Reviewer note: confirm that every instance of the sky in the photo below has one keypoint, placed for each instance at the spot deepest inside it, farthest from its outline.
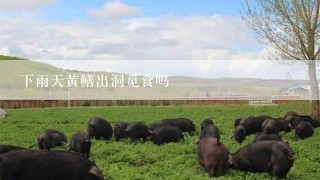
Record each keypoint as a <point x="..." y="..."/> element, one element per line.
<point x="163" y="36"/>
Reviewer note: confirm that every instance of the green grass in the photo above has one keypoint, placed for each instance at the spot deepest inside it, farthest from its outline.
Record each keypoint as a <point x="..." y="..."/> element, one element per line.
<point x="124" y="160"/>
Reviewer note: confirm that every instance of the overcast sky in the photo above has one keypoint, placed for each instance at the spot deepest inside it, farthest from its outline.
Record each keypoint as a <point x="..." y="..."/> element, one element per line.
<point x="126" y="30"/>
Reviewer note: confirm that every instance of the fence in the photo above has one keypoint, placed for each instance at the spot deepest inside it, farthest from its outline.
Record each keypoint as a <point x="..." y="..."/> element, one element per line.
<point x="228" y="100"/>
<point x="16" y="104"/>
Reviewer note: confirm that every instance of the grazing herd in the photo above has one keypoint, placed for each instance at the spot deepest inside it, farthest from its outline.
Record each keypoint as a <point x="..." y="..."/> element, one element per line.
<point x="268" y="153"/>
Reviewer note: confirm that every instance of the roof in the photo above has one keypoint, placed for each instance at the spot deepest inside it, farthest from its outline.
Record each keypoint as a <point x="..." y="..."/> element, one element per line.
<point x="305" y="87"/>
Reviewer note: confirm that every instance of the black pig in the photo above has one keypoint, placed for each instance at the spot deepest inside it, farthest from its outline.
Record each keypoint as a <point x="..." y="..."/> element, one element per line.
<point x="166" y="134"/>
<point x="210" y="131"/>
<point x="205" y="123"/>
<point x="8" y="148"/>
<point x="253" y="124"/>
<point x="239" y="133"/>
<point x="295" y="120"/>
<point x="138" y="131"/>
<point x="274" y="157"/>
<point x="266" y="137"/>
<point x="34" y="164"/>
<point x="51" y="138"/>
<point x="212" y="156"/>
<point x="274" y="126"/>
<point x="119" y="130"/>
<point x="81" y="143"/>
<point x="237" y="122"/>
<point x="303" y="130"/>
<point x="99" y="128"/>
<point x="184" y="124"/>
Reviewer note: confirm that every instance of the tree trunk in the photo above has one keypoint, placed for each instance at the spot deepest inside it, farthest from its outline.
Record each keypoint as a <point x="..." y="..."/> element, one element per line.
<point x="315" y="111"/>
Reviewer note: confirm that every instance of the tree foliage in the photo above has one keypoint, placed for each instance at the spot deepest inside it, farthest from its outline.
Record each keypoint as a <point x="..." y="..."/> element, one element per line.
<point x="291" y="27"/>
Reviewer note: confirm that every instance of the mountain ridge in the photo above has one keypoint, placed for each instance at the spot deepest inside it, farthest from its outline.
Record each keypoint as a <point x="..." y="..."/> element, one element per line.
<point x="179" y="86"/>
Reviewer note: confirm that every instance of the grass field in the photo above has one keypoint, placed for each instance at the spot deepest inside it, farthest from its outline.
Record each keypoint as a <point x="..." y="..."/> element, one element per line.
<point x="124" y="160"/>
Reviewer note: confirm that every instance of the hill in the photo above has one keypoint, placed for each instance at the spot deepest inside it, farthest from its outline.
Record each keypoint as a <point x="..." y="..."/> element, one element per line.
<point x="13" y="84"/>
<point x="2" y="57"/>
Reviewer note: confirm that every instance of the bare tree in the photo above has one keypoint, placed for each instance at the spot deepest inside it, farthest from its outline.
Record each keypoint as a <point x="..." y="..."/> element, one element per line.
<point x="292" y="28"/>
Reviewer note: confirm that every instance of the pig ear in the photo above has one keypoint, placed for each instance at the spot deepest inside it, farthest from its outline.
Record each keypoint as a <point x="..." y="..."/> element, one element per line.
<point x="95" y="171"/>
<point x="216" y="141"/>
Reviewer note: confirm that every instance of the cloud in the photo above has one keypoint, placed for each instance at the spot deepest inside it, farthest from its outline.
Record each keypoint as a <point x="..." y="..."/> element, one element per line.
<point x="211" y="54"/>
<point x="4" y="50"/>
<point x="161" y="38"/>
<point x="205" y="46"/>
<point x="24" y="5"/>
<point x="113" y="10"/>
<point x="247" y="66"/>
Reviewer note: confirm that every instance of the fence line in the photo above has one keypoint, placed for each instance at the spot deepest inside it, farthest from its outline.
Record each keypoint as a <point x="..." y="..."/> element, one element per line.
<point x="27" y="103"/>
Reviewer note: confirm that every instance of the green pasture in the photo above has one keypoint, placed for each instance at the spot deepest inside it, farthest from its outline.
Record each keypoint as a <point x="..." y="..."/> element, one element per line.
<point x="126" y="160"/>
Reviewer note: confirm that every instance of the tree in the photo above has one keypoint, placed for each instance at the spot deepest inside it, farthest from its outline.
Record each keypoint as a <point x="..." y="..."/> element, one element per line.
<point x="292" y="28"/>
